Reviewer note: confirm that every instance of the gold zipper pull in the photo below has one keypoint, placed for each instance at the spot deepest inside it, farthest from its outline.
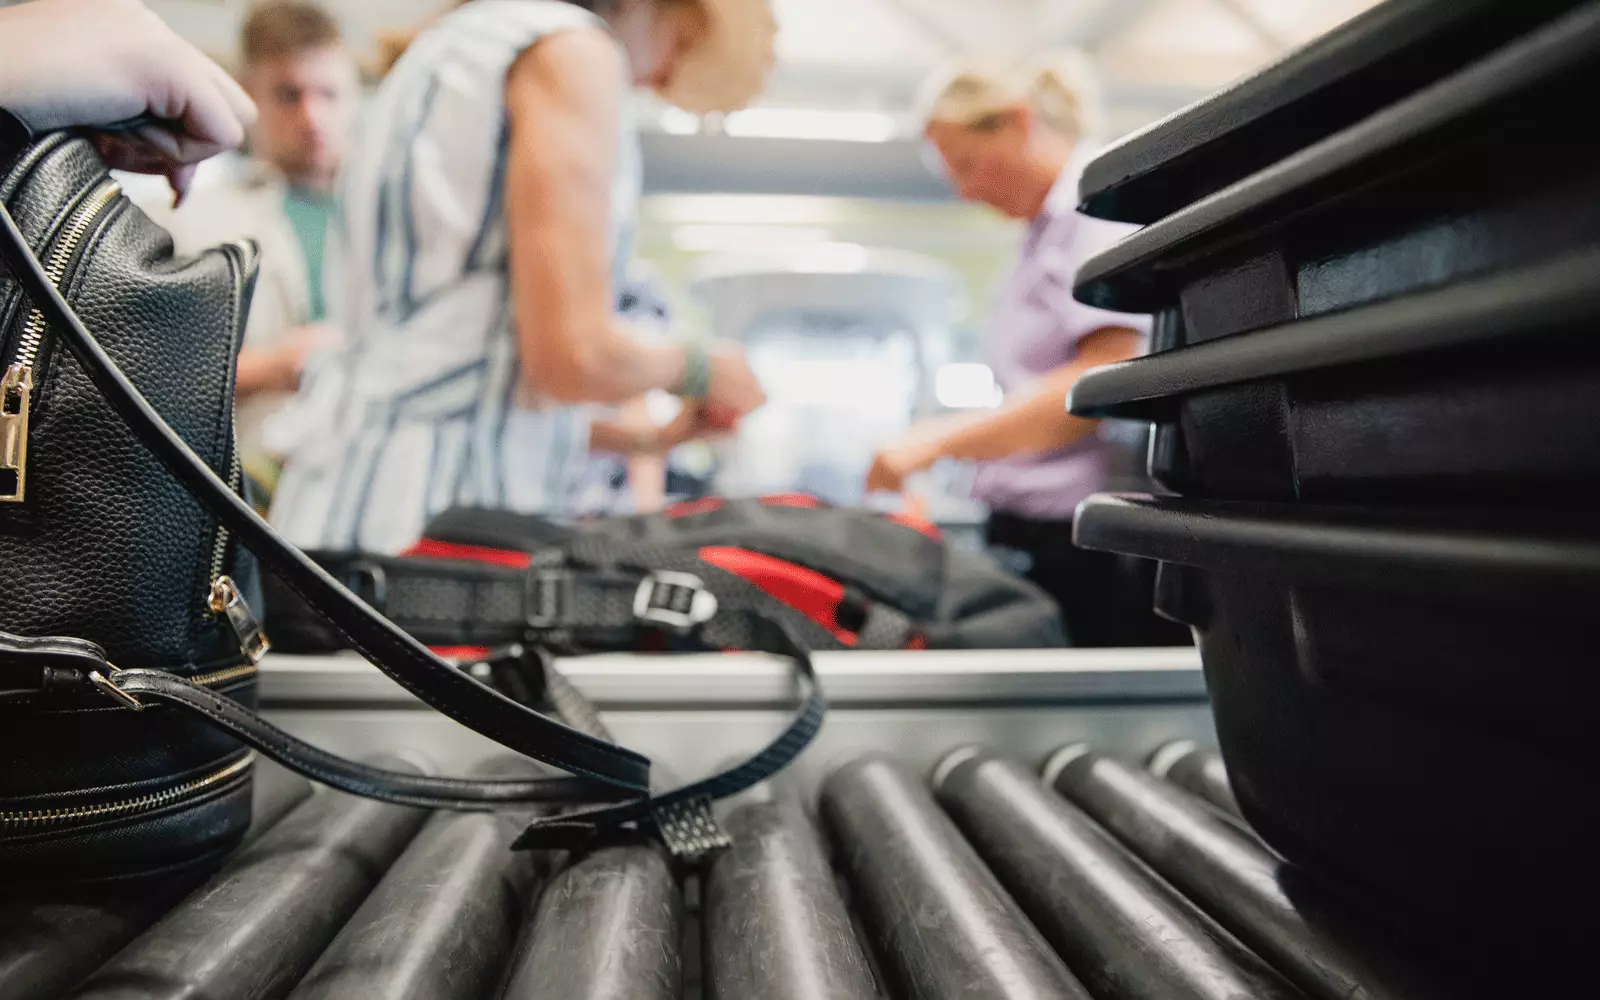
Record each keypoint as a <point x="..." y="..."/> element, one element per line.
<point x="16" y="394"/>
<point x="226" y="600"/>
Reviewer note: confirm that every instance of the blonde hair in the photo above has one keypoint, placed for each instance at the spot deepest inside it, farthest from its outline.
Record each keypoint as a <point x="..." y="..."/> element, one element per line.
<point x="976" y="91"/>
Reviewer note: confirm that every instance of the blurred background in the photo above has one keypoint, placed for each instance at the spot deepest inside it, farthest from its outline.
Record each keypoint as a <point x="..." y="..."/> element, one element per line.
<point x="812" y="228"/>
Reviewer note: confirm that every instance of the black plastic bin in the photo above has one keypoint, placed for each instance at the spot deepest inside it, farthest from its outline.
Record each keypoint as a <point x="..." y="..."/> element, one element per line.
<point x="1401" y="313"/>
<point x="1483" y="170"/>
<point x="1484" y="390"/>
<point x="1406" y="702"/>
<point x="1367" y="63"/>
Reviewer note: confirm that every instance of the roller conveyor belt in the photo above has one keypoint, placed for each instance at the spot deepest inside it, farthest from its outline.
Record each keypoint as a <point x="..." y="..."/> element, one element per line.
<point x="870" y="874"/>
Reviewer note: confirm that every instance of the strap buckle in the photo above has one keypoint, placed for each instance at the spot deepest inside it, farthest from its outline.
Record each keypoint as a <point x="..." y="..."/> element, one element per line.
<point x="546" y="598"/>
<point x="677" y="600"/>
<point x="109" y="688"/>
<point x="362" y="572"/>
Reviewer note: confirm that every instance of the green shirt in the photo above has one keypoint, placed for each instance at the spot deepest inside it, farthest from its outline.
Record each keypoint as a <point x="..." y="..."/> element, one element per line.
<point x="310" y="213"/>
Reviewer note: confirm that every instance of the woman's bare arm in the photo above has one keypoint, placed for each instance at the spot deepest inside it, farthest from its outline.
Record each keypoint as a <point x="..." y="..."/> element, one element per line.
<point x="1035" y="421"/>
<point x="564" y="96"/>
<point x="1038" y="421"/>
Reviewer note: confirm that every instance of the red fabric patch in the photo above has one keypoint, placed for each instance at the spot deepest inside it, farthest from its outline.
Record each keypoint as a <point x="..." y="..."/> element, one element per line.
<point x="469" y="654"/>
<point x="809" y="592"/>
<point x="916" y="523"/>
<point x="689" y="508"/>
<point x="804" y="500"/>
<point x="431" y="549"/>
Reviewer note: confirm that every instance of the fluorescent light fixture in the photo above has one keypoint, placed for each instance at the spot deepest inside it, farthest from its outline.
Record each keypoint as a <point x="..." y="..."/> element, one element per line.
<point x="810" y="123"/>
<point x="748" y="210"/>
<point x="829" y="258"/>
<point x="966" y="387"/>
<point x="859" y="384"/>
<point x="715" y="238"/>
<point x="676" y="121"/>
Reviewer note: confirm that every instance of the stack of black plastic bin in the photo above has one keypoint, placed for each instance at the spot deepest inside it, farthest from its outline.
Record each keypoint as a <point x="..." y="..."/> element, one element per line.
<point x="1375" y="272"/>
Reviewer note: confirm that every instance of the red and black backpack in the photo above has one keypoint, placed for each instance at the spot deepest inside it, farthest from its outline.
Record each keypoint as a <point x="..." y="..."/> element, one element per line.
<point x="481" y="579"/>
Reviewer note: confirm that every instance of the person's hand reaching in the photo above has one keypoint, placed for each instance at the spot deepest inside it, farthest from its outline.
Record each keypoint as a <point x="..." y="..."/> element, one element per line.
<point x="278" y="369"/>
<point x="734" y="390"/>
<point x="892" y="466"/>
<point x="916" y="450"/>
<point x="693" y="423"/>
<point x="114" y="65"/>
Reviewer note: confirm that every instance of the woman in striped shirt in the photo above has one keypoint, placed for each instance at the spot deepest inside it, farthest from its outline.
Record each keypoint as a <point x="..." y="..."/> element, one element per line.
<point x="486" y="217"/>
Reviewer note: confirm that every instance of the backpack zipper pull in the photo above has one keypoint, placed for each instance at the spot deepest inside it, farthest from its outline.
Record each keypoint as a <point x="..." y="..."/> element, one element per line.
<point x="227" y="600"/>
<point x="16" y="394"/>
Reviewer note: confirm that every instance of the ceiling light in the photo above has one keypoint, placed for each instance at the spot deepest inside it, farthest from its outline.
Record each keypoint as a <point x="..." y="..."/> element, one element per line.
<point x="810" y="123"/>
<point x="829" y="258"/>
<point x="698" y="238"/>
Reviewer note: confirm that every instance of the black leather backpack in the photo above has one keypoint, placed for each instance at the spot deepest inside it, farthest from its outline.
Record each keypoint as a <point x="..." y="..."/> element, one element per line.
<point x="127" y="653"/>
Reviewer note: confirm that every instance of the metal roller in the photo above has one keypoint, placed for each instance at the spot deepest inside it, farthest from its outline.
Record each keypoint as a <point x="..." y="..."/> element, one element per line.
<point x="1123" y="930"/>
<point x="943" y="927"/>
<point x="1201" y="772"/>
<point x="607" y="928"/>
<point x="1252" y="892"/>
<point x="775" y="925"/>
<point x="443" y="922"/>
<point x="274" y="791"/>
<point x="253" y="930"/>
<point x="51" y="940"/>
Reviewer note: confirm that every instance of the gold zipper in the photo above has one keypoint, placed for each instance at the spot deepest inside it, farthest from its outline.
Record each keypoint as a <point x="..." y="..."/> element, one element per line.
<point x="30" y="820"/>
<point x="226" y="600"/>
<point x="61" y="255"/>
<point x="16" y="399"/>
<point x="18" y="379"/>
<point x="222" y="678"/>
<point x="219" y="546"/>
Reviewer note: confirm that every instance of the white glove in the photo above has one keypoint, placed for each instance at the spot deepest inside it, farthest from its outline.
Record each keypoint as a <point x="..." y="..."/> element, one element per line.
<point x="90" y="63"/>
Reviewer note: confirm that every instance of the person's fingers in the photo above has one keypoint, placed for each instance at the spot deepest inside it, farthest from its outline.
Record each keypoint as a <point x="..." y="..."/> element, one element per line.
<point x="244" y="108"/>
<point x="180" y="177"/>
<point x="166" y="143"/>
<point x="209" y="122"/>
<point x="200" y="104"/>
<point x="121" y="154"/>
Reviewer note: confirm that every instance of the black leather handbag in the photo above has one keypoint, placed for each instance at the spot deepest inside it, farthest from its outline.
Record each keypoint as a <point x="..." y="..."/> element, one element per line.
<point x="128" y="654"/>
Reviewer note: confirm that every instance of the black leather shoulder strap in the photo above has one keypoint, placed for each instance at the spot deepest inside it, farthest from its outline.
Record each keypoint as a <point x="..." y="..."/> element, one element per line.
<point x="14" y="138"/>
<point x="662" y="591"/>
<point x="394" y="652"/>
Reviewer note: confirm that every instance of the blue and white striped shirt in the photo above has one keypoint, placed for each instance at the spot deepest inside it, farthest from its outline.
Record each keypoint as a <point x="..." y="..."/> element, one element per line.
<point x="423" y="407"/>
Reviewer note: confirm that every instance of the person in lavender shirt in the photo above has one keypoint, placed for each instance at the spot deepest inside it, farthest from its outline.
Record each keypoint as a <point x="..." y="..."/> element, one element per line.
<point x="1014" y="135"/>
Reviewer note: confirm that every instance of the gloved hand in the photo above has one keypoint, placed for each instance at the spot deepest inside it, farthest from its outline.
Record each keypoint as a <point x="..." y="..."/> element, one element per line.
<point x="99" y="63"/>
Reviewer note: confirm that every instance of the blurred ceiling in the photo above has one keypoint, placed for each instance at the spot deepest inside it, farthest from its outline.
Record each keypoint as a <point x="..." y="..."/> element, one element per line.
<point x="848" y="72"/>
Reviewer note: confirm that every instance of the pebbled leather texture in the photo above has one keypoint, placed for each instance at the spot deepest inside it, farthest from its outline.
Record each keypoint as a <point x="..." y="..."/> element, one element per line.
<point x="107" y="547"/>
<point x="398" y="655"/>
<point x="103" y="384"/>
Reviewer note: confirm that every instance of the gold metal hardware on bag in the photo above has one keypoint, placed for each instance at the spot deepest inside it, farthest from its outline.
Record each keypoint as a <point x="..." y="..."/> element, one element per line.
<point x="16" y="389"/>
<point x="107" y="687"/>
<point x="226" y="600"/>
<point x="16" y="399"/>
<point x="222" y="678"/>
<point x="36" y="819"/>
